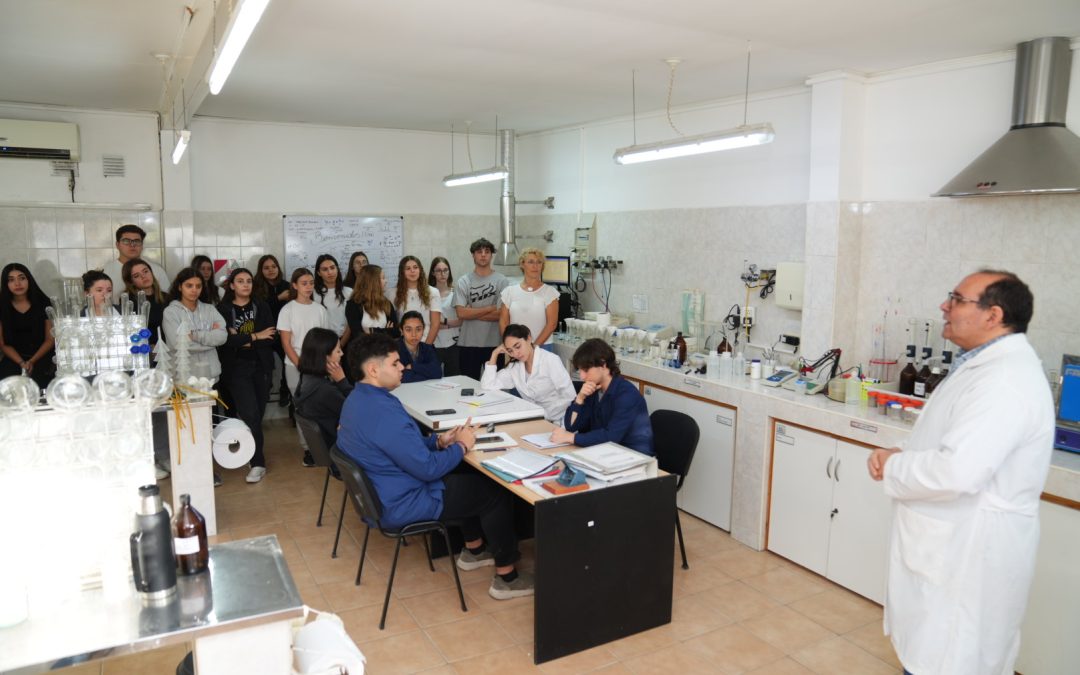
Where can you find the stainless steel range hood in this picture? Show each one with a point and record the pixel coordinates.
(1038, 155)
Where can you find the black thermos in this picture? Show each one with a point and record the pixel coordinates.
(152, 559)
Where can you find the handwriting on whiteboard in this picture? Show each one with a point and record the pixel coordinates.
(309, 236)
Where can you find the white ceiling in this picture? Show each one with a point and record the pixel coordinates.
(538, 64)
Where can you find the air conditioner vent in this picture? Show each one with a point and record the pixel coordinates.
(112, 166)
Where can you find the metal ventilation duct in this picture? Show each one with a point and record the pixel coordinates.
(1038, 155)
(508, 251)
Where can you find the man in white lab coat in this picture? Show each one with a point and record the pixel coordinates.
(966, 489)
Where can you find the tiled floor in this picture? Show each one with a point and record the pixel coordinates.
(736, 610)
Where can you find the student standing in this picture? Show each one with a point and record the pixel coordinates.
(205, 267)
(129, 244)
(330, 291)
(369, 310)
(441, 278)
(202, 322)
(417, 357)
(26, 338)
(138, 275)
(476, 301)
(296, 319)
(357, 261)
(537, 374)
(247, 359)
(413, 294)
(271, 287)
(531, 303)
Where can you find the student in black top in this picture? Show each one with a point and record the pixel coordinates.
(322, 389)
(272, 288)
(138, 275)
(368, 309)
(202, 264)
(247, 359)
(26, 338)
(420, 360)
(357, 261)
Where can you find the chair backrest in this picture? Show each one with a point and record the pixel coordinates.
(675, 437)
(314, 439)
(361, 491)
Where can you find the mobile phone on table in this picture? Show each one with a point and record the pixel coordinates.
(440, 411)
(468, 391)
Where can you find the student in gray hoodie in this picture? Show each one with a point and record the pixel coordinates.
(203, 323)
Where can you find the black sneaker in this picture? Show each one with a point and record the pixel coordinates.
(308, 460)
(217, 479)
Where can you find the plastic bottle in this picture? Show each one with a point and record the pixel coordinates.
(738, 367)
(189, 532)
(712, 366)
(755, 369)
(907, 377)
(934, 380)
(725, 365)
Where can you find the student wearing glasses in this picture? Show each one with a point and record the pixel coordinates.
(129, 245)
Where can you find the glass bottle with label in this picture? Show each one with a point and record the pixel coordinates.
(680, 345)
(935, 378)
(907, 376)
(189, 538)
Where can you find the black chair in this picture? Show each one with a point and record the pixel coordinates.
(317, 446)
(675, 437)
(364, 498)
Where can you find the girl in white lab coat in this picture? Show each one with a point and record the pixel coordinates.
(537, 374)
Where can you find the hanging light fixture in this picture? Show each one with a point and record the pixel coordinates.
(241, 24)
(182, 139)
(742, 136)
(496, 172)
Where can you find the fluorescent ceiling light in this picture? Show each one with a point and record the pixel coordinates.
(482, 176)
(181, 146)
(739, 137)
(241, 24)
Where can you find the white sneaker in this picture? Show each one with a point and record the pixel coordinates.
(256, 474)
(160, 473)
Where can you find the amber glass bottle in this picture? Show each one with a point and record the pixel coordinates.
(189, 538)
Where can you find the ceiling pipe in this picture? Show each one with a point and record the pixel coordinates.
(508, 252)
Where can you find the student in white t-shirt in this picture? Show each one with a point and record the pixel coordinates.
(330, 292)
(532, 303)
(299, 316)
(441, 277)
(413, 294)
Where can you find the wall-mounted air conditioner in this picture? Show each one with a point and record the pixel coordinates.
(39, 140)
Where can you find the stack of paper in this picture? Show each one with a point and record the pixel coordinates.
(486, 398)
(608, 461)
(519, 463)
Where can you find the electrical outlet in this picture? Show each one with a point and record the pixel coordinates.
(748, 317)
(792, 340)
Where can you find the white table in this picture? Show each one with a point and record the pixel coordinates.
(419, 397)
(192, 461)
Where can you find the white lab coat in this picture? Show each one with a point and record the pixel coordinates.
(965, 526)
(548, 386)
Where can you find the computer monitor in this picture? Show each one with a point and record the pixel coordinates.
(557, 270)
(1069, 394)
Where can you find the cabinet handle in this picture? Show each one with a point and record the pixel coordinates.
(833, 514)
(836, 471)
(828, 468)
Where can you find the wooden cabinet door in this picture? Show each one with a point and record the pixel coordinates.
(861, 520)
(801, 498)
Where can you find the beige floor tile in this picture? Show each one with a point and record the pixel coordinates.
(469, 637)
(327, 570)
(445, 669)
(743, 562)
(508, 660)
(582, 662)
(840, 657)
(613, 669)
(837, 610)
(784, 666)
(517, 622)
(733, 649)
(421, 580)
(695, 614)
(344, 595)
(443, 606)
(405, 653)
(786, 585)
(362, 624)
(739, 601)
(162, 660)
(643, 642)
(787, 630)
(313, 597)
(871, 638)
(702, 575)
(673, 660)
(484, 603)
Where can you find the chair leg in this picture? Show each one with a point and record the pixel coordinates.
(390, 584)
(322, 504)
(453, 566)
(682, 547)
(340, 518)
(427, 549)
(363, 554)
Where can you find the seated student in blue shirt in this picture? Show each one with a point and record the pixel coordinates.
(420, 360)
(608, 408)
(413, 476)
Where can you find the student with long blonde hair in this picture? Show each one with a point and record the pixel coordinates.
(369, 310)
(413, 294)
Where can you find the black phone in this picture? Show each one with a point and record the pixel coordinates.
(440, 411)
(468, 391)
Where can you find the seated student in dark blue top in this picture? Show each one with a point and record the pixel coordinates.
(420, 359)
(608, 408)
(414, 476)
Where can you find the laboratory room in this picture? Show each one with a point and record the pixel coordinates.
(618, 337)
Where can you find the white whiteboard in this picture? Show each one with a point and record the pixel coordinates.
(308, 237)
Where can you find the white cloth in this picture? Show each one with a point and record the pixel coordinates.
(298, 319)
(529, 308)
(335, 311)
(548, 385)
(448, 336)
(413, 304)
(965, 528)
(114, 268)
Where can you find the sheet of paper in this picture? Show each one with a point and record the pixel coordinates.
(442, 385)
(542, 441)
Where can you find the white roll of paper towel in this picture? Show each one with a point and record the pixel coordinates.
(234, 446)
